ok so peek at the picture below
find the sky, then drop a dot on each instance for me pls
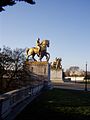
(65, 23)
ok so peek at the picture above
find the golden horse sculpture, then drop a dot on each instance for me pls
(43, 52)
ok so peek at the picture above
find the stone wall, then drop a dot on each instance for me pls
(13, 102)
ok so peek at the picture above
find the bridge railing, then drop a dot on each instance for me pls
(11, 99)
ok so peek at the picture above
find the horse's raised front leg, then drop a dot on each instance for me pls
(47, 56)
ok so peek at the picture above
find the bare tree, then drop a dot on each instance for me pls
(74, 71)
(13, 70)
(11, 62)
(4, 64)
(16, 65)
(1, 69)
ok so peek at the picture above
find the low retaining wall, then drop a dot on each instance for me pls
(10, 100)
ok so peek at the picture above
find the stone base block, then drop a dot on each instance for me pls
(56, 76)
(39, 69)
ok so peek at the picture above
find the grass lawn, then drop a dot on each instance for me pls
(58, 104)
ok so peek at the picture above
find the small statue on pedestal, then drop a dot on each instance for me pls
(56, 64)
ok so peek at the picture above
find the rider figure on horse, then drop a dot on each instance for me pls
(38, 45)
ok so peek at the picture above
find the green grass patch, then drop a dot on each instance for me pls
(66, 103)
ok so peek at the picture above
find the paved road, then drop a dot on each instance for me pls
(73, 86)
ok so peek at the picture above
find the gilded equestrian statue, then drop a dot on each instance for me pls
(40, 52)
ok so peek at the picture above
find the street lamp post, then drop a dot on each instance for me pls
(86, 78)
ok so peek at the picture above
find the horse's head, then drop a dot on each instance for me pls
(45, 43)
(48, 43)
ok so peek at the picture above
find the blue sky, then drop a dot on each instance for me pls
(66, 23)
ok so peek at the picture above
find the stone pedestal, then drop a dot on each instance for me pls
(40, 70)
(56, 76)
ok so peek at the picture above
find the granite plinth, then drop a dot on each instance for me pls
(40, 69)
(56, 76)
